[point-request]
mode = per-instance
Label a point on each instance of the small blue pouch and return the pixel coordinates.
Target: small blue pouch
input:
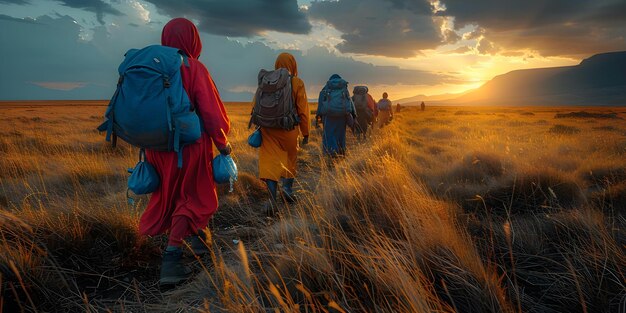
(255, 139)
(143, 178)
(225, 170)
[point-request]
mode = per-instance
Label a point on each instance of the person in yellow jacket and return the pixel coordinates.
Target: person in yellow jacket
(385, 112)
(279, 149)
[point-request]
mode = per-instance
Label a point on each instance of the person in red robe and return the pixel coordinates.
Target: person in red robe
(187, 197)
(371, 103)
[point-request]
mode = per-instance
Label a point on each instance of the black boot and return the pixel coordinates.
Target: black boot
(173, 271)
(198, 243)
(271, 208)
(288, 190)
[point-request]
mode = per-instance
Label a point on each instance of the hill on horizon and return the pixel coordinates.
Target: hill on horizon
(598, 80)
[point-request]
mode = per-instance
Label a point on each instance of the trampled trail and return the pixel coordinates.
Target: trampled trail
(246, 221)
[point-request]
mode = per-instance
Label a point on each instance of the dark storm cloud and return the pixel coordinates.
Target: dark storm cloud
(42, 58)
(96, 6)
(554, 28)
(70, 68)
(20, 2)
(239, 18)
(14, 19)
(512, 14)
(610, 13)
(395, 28)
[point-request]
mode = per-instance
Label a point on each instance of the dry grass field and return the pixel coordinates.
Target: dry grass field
(493, 209)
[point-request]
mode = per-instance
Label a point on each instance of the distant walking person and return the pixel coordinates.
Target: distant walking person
(385, 114)
(398, 107)
(366, 110)
(280, 108)
(187, 197)
(336, 110)
(423, 106)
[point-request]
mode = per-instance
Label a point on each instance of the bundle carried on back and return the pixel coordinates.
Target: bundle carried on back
(335, 98)
(150, 108)
(359, 98)
(274, 106)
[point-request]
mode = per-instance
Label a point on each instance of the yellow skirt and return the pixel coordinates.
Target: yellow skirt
(278, 153)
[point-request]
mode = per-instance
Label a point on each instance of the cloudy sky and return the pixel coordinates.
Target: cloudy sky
(70, 49)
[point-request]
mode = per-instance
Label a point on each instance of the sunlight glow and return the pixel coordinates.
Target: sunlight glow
(143, 13)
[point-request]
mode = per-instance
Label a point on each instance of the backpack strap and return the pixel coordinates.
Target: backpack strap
(111, 136)
(170, 124)
(250, 121)
(327, 98)
(257, 96)
(293, 100)
(180, 158)
(294, 104)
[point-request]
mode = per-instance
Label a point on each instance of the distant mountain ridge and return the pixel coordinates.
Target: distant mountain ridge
(598, 80)
(419, 98)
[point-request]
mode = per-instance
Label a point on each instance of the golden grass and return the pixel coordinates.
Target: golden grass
(452, 209)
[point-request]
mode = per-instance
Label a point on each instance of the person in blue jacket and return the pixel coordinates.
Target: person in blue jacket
(336, 112)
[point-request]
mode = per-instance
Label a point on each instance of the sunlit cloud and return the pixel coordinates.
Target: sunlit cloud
(321, 34)
(243, 89)
(141, 10)
(64, 86)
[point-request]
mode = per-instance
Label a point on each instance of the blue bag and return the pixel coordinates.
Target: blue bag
(255, 139)
(143, 178)
(334, 99)
(150, 108)
(225, 170)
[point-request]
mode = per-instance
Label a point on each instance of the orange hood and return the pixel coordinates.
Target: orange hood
(286, 60)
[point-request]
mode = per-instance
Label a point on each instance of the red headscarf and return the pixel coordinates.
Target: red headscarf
(181, 33)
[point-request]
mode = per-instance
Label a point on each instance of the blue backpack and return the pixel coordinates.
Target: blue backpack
(150, 108)
(335, 99)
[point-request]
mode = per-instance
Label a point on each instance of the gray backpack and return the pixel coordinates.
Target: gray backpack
(274, 106)
(360, 98)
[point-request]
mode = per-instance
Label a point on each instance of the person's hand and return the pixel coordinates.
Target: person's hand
(226, 150)
(305, 141)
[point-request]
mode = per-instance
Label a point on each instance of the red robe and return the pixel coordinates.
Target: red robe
(188, 191)
(371, 103)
